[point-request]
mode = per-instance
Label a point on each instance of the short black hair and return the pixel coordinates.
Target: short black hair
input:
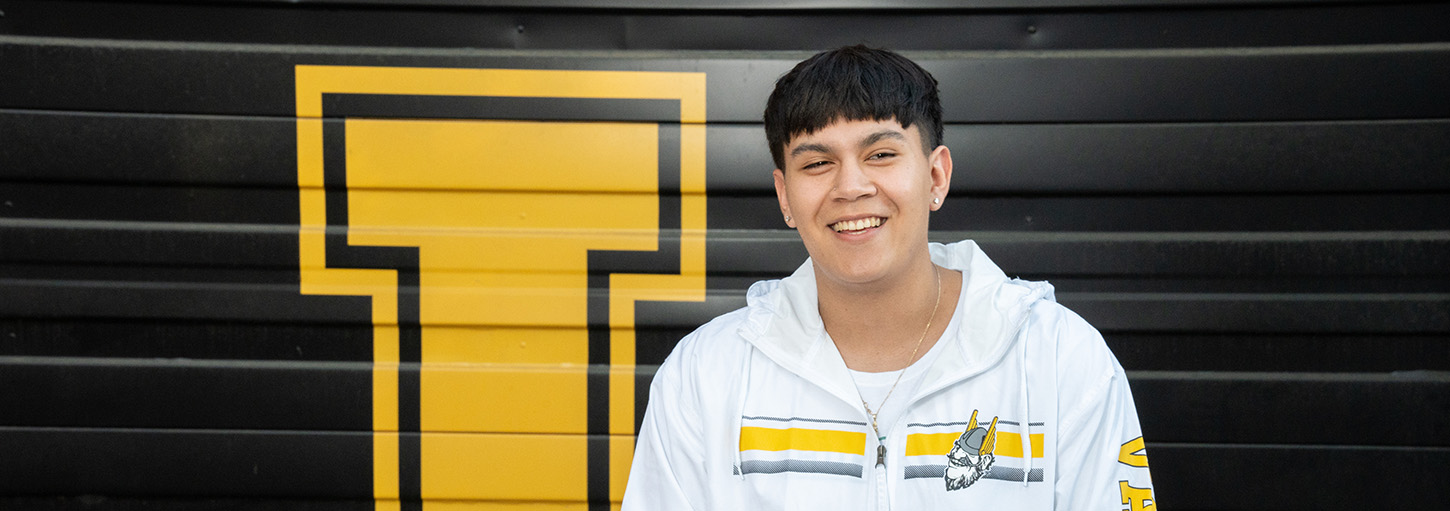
(853, 83)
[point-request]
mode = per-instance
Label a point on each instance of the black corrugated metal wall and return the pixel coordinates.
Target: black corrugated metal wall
(1248, 199)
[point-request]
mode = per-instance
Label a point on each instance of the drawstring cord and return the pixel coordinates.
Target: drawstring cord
(1026, 435)
(740, 411)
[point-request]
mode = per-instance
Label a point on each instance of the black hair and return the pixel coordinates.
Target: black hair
(853, 83)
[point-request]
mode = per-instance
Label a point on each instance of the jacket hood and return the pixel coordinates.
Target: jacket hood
(782, 322)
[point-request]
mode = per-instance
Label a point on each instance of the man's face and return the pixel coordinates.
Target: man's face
(860, 194)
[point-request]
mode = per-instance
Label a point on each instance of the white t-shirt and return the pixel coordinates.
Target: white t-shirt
(874, 386)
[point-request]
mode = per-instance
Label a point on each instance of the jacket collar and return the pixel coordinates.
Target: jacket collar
(784, 324)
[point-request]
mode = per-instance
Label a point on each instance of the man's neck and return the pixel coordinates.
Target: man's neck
(876, 327)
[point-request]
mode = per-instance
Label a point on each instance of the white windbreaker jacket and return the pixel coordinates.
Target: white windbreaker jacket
(1024, 409)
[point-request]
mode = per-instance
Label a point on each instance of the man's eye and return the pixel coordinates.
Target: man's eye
(814, 164)
(882, 155)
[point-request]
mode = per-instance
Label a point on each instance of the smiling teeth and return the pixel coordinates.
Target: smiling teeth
(856, 225)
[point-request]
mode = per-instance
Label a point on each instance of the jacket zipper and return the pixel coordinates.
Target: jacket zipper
(881, 501)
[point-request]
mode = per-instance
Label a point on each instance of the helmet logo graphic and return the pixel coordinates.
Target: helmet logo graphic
(971, 456)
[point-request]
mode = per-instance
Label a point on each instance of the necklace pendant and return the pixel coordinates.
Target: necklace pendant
(880, 455)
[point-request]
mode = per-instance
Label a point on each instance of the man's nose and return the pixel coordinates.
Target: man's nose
(853, 182)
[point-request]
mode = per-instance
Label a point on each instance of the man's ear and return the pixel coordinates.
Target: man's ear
(781, 198)
(941, 175)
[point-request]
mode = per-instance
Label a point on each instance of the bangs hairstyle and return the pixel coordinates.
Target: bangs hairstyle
(854, 83)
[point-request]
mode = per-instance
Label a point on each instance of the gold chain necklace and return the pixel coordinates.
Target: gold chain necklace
(881, 440)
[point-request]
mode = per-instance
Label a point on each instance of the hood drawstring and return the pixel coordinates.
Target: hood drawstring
(740, 411)
(1026, 405)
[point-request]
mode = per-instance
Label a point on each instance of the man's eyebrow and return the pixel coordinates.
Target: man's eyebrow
(872, 139)
(819, 148)
(876, 137)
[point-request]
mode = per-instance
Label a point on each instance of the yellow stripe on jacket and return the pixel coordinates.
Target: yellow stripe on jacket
(1009, 444)
(800, 439)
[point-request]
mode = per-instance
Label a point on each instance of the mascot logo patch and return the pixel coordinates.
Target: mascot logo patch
(971, 456)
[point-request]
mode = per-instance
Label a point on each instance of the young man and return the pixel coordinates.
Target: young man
(886, 372)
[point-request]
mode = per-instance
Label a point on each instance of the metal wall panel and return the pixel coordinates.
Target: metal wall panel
(1247, 198)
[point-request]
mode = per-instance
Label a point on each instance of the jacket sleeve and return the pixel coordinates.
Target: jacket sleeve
(1102, 463)
(667, 471)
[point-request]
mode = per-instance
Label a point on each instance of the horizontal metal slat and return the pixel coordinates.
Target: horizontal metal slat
(1405, 313)
(961, 212)
(767, 5)
(1278, 313)
(259, 152)
(1270, 83)
(1293, 408)
(291, 395)
(1278, 477)
(1177, 406)
(1345, 353)
(1156, 312)
(1283, 313)
(111, 503)
(204, 252)
(1165, 351)
(803, 25)
(301, 464)
(1141, 213)
(232, 464)
(148, 149)
(186, 394)
(185, 463)
(213, 340)
(1139, 255)
(1083, 159)
(176, 300)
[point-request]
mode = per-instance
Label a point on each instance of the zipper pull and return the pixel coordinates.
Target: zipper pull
(880, 455)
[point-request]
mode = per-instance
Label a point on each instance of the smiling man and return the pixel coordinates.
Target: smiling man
(887, 372)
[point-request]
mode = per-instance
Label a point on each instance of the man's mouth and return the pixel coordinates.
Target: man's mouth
(859, 224)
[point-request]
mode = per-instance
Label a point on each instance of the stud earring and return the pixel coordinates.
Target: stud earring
(936, 200)
(787, 218)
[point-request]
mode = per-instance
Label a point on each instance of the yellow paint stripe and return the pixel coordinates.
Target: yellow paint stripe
(312, 81)
(515, 467)
(687, 286)
(1008, 444)
(385, 454)
(800, 439)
